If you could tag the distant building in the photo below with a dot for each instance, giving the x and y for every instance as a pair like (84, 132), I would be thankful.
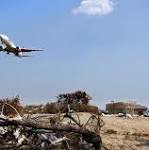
(122, 107)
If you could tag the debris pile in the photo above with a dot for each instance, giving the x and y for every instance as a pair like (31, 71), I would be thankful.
(59, 131)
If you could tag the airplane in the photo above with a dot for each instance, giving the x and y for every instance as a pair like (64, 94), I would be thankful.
(9, 47)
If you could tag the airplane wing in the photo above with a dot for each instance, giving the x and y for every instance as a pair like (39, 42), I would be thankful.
(29, 50)
(24, 56)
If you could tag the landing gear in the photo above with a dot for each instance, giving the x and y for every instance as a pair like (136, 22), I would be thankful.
(17, 47)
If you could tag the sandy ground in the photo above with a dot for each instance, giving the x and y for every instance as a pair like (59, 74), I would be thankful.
(126, 134)
(123, 133)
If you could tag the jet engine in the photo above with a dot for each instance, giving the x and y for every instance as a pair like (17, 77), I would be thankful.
(17, 47)
(1, 48)
(20, 54)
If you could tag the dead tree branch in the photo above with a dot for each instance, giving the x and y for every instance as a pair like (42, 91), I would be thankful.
(89, 136)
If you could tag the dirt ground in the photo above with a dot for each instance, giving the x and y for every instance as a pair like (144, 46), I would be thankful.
(123, 133)
(126, 134)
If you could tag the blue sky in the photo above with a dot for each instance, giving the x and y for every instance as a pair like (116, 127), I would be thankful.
(104, 52)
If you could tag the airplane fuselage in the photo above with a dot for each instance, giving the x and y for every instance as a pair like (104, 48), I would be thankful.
(6, 41)
(9, 47)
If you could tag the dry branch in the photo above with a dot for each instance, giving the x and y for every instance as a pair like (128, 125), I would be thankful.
(89, 136)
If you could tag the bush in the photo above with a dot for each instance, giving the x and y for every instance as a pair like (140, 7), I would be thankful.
(54, 108)
(51, 108)
(9, 111)
(86, 108)
(80, 97)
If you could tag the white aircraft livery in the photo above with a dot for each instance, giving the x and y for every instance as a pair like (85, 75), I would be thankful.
(9, 47)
